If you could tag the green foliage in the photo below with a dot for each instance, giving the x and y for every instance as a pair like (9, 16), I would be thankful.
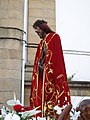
(70, 77)
(2, 118)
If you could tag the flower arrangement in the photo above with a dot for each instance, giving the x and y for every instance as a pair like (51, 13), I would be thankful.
(18, 112)
(72, 115)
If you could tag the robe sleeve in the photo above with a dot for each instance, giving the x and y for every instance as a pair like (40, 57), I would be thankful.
(57, 57)
(59, 71)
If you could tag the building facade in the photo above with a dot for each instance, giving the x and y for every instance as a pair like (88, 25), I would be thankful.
(12, 22)
(12, 16)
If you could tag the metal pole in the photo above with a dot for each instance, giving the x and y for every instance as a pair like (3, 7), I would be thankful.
(23, 47)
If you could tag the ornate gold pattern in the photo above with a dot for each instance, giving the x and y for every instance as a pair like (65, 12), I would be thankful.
(48, 88)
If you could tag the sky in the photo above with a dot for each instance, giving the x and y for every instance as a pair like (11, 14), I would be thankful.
(73, 26)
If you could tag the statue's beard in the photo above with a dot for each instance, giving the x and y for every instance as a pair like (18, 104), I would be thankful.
(40, 34)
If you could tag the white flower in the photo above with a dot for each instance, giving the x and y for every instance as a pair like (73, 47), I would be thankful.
(0, 116)
(3, 111)
(58, 109)
(11, 116)
(75, 115)
(41, 118)
(30, 113)
(13, 102)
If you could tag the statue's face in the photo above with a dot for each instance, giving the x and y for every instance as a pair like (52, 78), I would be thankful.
(39, 32)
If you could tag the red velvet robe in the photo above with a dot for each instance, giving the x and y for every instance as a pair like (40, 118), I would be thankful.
(52, 88)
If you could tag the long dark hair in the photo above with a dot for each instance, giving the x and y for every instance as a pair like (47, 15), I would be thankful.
(43, 26)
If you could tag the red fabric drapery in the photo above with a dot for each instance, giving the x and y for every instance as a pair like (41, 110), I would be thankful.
(52, 88)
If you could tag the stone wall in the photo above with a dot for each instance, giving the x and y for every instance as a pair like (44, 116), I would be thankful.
(79, 88)
(11, 23)
(39, 9)
(11, 13)
(10, 63)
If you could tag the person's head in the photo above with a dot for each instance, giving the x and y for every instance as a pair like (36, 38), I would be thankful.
(84, 108)
(41, 28)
